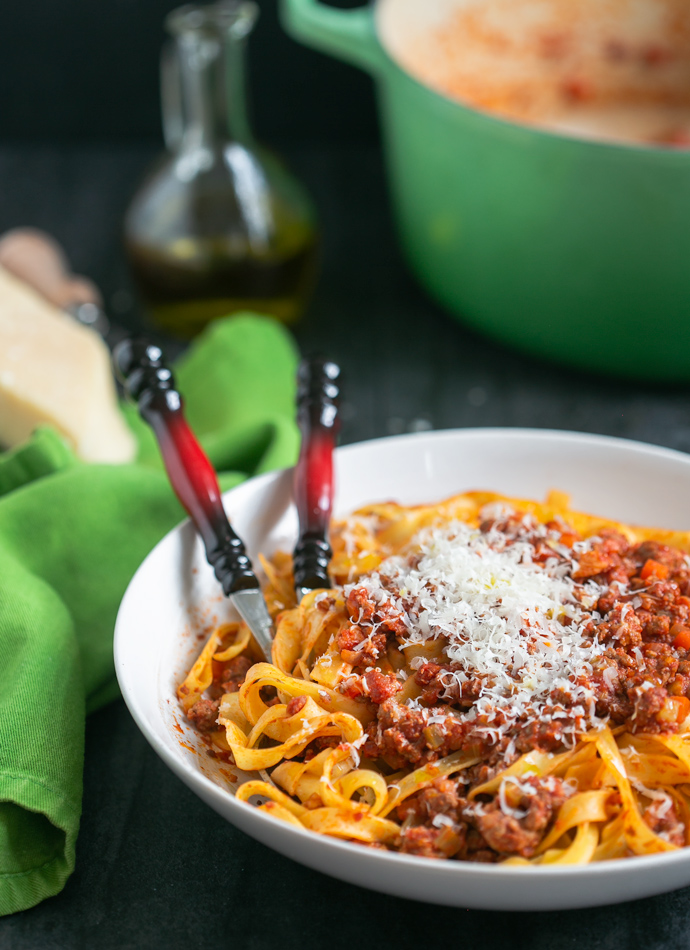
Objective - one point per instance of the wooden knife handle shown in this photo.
(37, 259)
(318, 420)
(148, 381)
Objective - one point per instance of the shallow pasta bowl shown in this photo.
(173, 601)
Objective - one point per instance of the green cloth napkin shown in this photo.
(71, 537)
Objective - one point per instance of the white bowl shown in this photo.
(173, 599)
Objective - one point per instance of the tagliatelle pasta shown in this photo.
(489, 679)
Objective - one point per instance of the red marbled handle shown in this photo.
(150, 383)
(317, 416)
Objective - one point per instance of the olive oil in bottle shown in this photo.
(219, 225)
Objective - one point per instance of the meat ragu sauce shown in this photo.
(632, 613)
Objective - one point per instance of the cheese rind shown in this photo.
(54, 371)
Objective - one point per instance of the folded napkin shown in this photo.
(71, 536)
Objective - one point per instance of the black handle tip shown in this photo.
(316, 374)
(311, 558)
(140, 367)
(232, 566)
(318, 391)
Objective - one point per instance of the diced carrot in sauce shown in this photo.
(653, 569)
(682, 641)
(683, 707)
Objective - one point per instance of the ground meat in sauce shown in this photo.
(521, 832)
(373, 685)
(360, 648)
(295, 705)
(402, 736)
(429, 842)
(366, 612)
(663, 819)
(234, 674)
(362, 643)
(432, 677)
(318, 745)
(204, 714)
(227, 678)
(482, 831)
(440, 798)
(423, 834)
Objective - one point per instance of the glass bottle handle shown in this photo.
(172, 109)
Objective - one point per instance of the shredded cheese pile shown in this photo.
(524, 629)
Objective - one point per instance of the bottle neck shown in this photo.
(212, 73)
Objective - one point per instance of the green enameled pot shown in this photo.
(570, 249)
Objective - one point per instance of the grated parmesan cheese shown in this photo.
(522, 628)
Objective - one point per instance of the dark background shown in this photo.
(79, 71)
(79, 123)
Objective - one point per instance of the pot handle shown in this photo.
(346, 34)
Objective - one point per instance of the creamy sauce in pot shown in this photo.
(615, 70)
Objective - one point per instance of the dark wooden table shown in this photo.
(155, 867)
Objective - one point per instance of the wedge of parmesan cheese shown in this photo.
(55, 371)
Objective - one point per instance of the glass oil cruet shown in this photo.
(219, 225)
